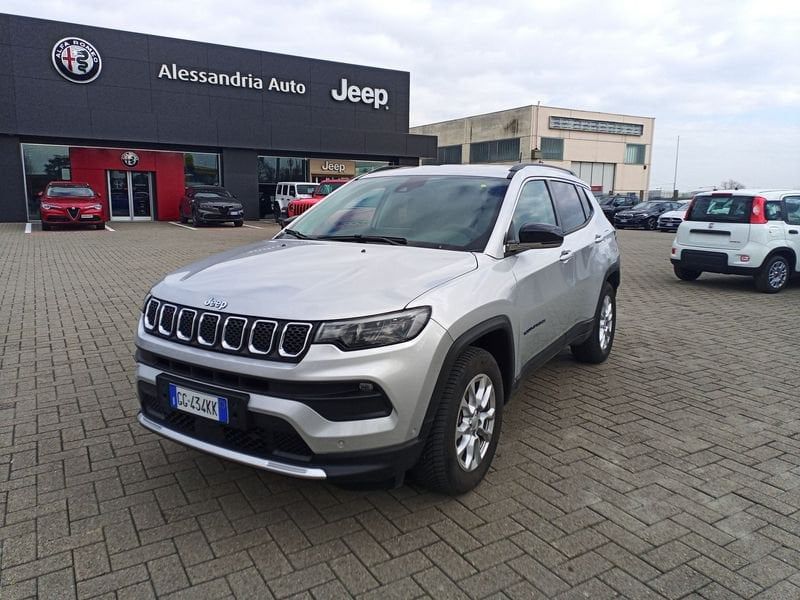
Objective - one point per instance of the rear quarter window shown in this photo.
(721, 209)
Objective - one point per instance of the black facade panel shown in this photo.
(122, 99)
(124, 126)
(297, 139)
(6, 66)
(36, 63)
(287, 114)
(391, 144)
(183, 53)
(4, 29)
(423, 146)
(231, 109)
(186, 130)
(121, 72)
(12, 200)
(53, 120)
(8, 118)
(343, 141)
(172, 103)
(230, 60)
(242, 132)
(341, 117)
(239, 177)
(37, 92)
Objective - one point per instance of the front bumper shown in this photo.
(362, 448)
(630, 221)
(215, 215)
(62, 217)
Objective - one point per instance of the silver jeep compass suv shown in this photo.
(384, 330)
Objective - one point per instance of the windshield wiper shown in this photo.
(297, 234)
(381, 239)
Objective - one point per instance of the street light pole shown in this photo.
(675, 178)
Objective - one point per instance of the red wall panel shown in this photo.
(91, 164)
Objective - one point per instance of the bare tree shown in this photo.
(731, 184)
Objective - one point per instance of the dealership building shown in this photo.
(609, 151)
(139, 117)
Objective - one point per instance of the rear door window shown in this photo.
(721, 209)
(568, 205)
(772, 211)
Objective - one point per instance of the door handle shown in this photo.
(565, 255)
(793, 231)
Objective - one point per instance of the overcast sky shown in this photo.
(724, 75)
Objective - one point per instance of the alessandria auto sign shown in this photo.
(79, 61)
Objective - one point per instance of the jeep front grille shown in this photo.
(269, 339)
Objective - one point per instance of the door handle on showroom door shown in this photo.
(566, 255)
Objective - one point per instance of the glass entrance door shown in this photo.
(130, 195)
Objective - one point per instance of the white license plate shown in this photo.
(198, 403)
(87, 216)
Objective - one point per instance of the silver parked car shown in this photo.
(384, 330)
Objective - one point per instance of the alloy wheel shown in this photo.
(606, 327)
(475, 422)
(778, 272)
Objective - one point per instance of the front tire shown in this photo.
(774, 275)
(238, 223)
(100, 226)
(685, 274)
(466, 428)
(46, 227)
(651, 224)
(596, 348)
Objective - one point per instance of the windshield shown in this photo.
(324, 189)
(306, 189)
(439, 211)
(209, 195)
(63, 191)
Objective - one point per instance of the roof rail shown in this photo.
(520, 166)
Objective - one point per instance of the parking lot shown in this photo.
(672, 470)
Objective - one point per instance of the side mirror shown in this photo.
(536, 235)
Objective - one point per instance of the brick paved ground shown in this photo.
(672, 470)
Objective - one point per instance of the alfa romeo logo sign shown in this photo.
(129, 159)
(76, 60)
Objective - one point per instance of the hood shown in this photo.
(310, 280)
(216, 203)
(71, 201)
(675, 214)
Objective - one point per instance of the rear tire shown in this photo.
(238, 223)
(773, 275)
(685, 274)
(596, 348)
(470, 409)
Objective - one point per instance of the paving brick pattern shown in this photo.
(671, 471)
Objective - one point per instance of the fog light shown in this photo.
(744, 258)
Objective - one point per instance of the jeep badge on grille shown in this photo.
(219, 304)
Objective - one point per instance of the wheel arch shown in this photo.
(788, 253)
(495, 335)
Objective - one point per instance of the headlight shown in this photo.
(371, 332)
(47, 206)
(96, 206)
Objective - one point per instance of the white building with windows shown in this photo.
(609, 151)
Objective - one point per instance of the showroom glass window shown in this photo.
(365, 166)
(272, 169)
(43, 164)
(201, 168)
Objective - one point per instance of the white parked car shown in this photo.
(670, 220)
(741, 232)
(286, 191)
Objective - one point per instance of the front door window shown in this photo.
(130, 195)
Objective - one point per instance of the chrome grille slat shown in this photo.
(262, 328)
(186, 317)
(229, 336)
(167, 312)
(203, 332)
(293, 347)
(151, 313)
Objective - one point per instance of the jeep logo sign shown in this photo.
(377, 97)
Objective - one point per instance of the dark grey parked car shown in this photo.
(205, 204)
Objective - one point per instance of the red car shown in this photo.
(325, 187)
(70, 203)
